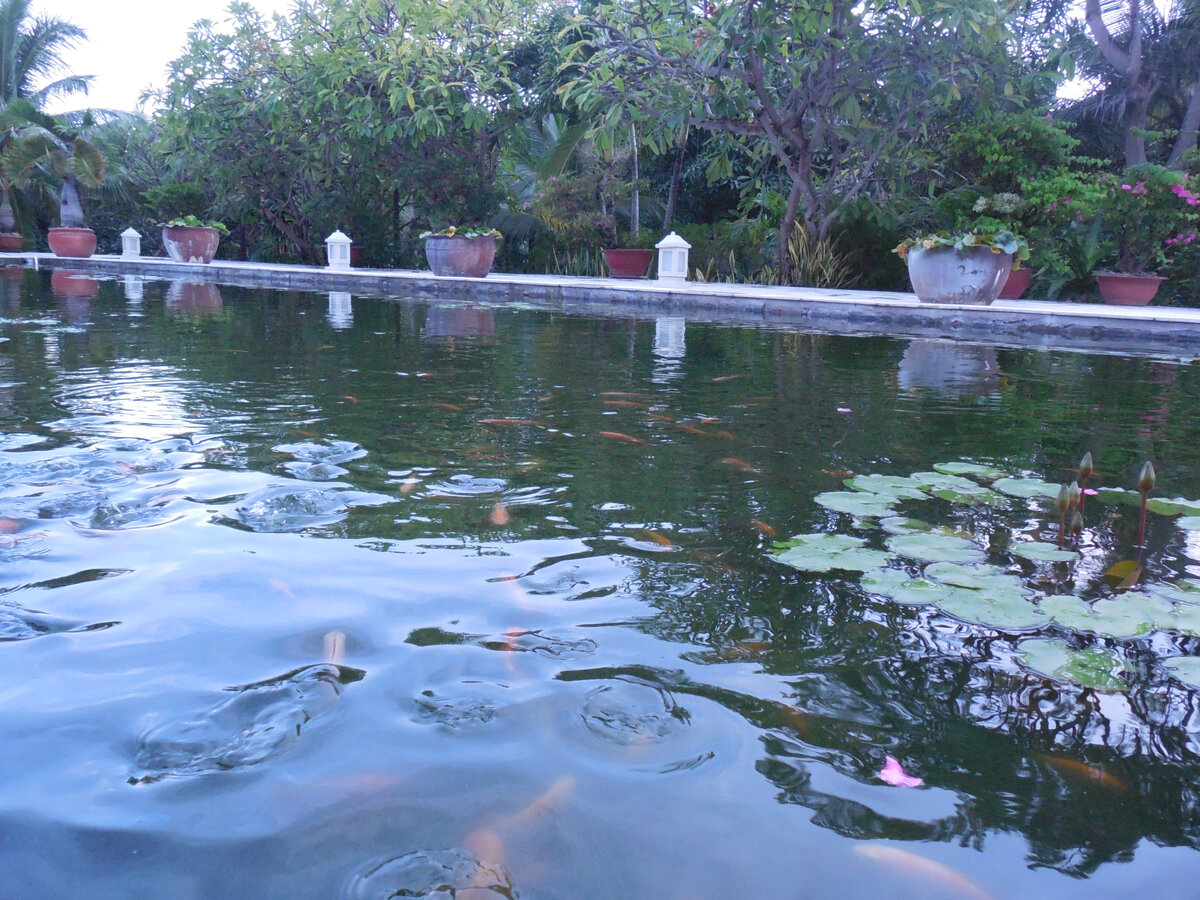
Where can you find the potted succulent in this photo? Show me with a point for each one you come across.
(1147, 210)
(188, 239)
(459, 251)
(963, 267)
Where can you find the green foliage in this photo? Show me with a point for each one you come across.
(997, 152)
(1147, 210)
(195, 222)
(997, 241)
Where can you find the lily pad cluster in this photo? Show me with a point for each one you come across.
(916, 562)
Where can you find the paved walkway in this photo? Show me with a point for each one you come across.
(1150, 330)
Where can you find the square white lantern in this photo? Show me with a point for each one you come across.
(337, 251)
(131, 244)
(673, 258)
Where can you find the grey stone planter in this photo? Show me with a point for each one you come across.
(944, 275)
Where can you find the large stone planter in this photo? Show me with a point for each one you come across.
(191, 243)
(973, 276)
(461, 256)
(72, 243)
(628, 263)
(1120, 289)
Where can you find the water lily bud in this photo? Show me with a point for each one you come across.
(1146, 479)
(1077, 523)
(1063, 500)
(1085, 467)
(1073, 494)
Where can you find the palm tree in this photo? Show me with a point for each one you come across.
(55, 147)
(31, 52)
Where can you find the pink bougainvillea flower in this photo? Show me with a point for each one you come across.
(893, 773)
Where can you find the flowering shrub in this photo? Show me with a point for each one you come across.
(1148, 210)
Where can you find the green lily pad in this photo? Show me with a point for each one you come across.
(905, 525)
(903, 488)
(935, 548)
(829, 552)
(1025, 487)
(1002, 608)
(1183, 591)
(1176, 507)
(1040, 551)
(857, 504)
(1131, 615)
(898, 586)
(1185, 668)
(1119, 496)
(974, 578)
(963, 468)
(1183, 618)
(1188, 523)
(1094, 667)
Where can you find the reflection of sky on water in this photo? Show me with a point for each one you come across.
(134, 401)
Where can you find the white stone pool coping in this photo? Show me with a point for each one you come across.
(1150, 330)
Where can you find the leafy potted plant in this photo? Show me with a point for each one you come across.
(188, 239)
(1147, 210)
(962, 267)
(461, 252)
(1004, 211)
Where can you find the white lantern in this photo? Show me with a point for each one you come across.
(131, 244)
(337, 251)
(673, 258)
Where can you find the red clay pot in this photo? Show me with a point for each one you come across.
(1120, 289)
(1017, 283)
(11, 241)
(628, 263)
(464, 256)
(72, 243)
(191, 243)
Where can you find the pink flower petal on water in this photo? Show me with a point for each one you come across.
(1091, 491)
(893, 773)
(844, 409)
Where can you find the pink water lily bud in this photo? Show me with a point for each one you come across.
(893, 773)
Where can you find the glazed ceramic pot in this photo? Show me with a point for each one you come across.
(628, 263)
(963, 277)
(191, 243)
(72, 243)
(1121, 289)
(462, 256)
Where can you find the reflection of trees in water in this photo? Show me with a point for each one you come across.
(1085, 776)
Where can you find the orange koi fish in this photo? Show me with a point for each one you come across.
(510, 422)
(350, 399)
(449, 406)
(740, 465)
(618, 436)
(658, 539)
(923, 869)
(629, 403)
(764, 528)
(1083, 771)
(499, 515)
(721, 378)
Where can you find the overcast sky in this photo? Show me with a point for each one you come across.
(130, 42)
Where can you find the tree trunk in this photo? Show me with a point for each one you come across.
(676, 178)
(70, 208)
(635, 201)
(1188, 130)
(785, 231)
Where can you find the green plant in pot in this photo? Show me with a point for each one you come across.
(462, 251)
(961, 268)
(189, 239)
(1147, 211)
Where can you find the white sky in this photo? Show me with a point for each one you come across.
(130, 42)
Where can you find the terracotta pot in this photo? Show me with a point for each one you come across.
(969, 277)
(462, 256)
(196, 298)
(72, 243)
(1120, 289)
(11, 241)
(628, 263)
(191, 243)
(1016, 284)
(69, 284)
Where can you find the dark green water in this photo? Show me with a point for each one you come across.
(302, 600)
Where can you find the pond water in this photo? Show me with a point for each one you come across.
(316, 596)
